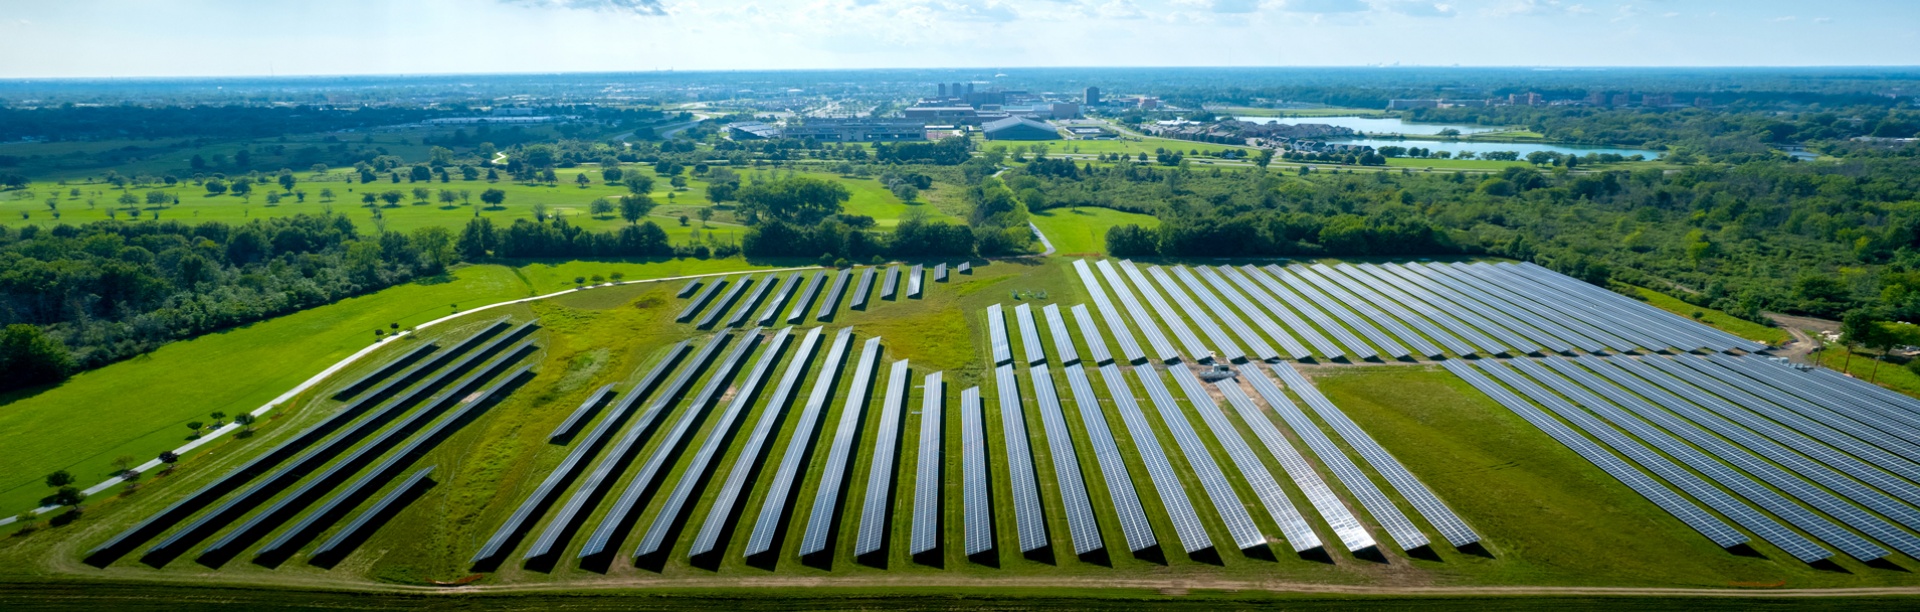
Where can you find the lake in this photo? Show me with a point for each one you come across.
(1394, 125)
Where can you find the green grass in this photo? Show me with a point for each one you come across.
(1864, 366)
(1719, 319)
(1083, 231)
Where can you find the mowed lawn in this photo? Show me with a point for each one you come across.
(1083, 231)
(140, 407)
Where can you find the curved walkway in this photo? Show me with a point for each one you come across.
(355, 357)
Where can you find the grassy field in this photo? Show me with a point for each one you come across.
(1720, 319)
(1083, 231)
(1547, 516)
(1864, 365)
(29, 206)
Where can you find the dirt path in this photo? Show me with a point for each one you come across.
(1803, 330)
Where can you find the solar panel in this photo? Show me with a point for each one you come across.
(966, 267)
(1700, 374)
(940, 273)
(588, 495)
(1324, 347)
(723, 303)
(1587, 337)
(700, 300)
(1389, 516)
(914, 278)
(312, 457)
(1694, 516)
(1166, 482)
(1490, 338)
(831, 301)
(385, 370)
(752, 300)
(1030, 522)
(876, 514)
(1834, 460)
(1760, 524)
(1886, 427)
(1229, 349)
(780, 298)
(1062, 340)
(1600, 314)
(700, 468)
(1369, 318)
(1113, 465)
(581, 415)
(975, 495)
(1354, 347)
(889, 287)
(465, 407)
(752, 456)
(860, 291)
(781, 490)
(1029, 335)
(1162, 349)
(927, 481)
(833, 476)
(1381, 298)
(1383, 463)
(619, 517)
(687, 289)
(1128, 346)
(1226, 503)
(997, 332)
(1089, 332)
(1196, 350)
(1260, 319)
(361, 527)
(1539, 330)
(1254, 473)
(805, 300)
(1345, 525)
(1644, 311)
(1768, 470)
(421, 421)
(1531, 297)
(1066, 464)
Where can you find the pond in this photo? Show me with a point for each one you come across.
(1388, 126)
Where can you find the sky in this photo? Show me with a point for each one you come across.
(152, 38)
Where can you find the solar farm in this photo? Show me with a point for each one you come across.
(943, 424)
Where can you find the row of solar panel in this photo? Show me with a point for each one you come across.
(452, 388)
(1798, 445)
(705, 292)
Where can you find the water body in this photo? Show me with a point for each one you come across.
(1387, 126)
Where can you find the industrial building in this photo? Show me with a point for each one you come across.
(858, 129)
(1019, 128)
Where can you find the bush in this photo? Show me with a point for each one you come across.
(826, 259)
(841, 263)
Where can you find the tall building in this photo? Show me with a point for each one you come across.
(953, 91)
(969, 88)
(1622, 99)
(1093, 96)
(1597, 98)
(943, 90)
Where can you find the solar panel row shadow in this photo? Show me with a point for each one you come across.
(700, 300)
(784, 486)
(824, 515)
(727, 504)
(724, 303)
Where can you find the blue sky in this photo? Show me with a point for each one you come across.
(138, 38)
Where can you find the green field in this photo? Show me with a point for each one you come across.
(1720, 319)
(1083, 231)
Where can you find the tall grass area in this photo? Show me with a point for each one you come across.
(1083, 230)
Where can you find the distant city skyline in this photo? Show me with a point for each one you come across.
(124, 38)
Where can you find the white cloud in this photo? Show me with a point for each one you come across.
(1419, 9)
(1625, 12)
(1324, 6)
(1823, 20)
(1234, 6)
(1119, 9)
(1785, 19)
(637, 7)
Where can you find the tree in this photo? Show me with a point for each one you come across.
(493, 197)
(286, 182)
(67, 496)
(421, 194)
(600, 207)
(706, 214)
(216, 187)
(638, 184)
(1857, 327)
(392, 196)
(635, 207)
(582, 180)
(246, 419)
(797, 199)
(242, 188)
(218, 417)
(196, 426)
(59, 479)
(29, 357)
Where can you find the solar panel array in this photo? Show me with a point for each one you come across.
(1345, 525)
(1113, 465)
(833, 476)
(1162, 349)
(773, 509)
(1270, 303)
(1166, 482)
(831, 300)
(1382, 311)
(997, 334)
(965, 267)
(1030, 335)
(687, 289)
(975, 499)
(891, 285)
(780, 298)
(876, 513)
(1170, 318)
(862, 290)
(385, 371)
(1089, 332)
(1062, 339)
(1081, 524)
(1199, 460)
(940, 273)
(1294, 527)
(927, 478)
(1222, 288)
(1353, 346)
(724, 303)
(1128, 346)
(581, 415)
(1341, 307)
(1225, 347)
(700, 300)
(746, 465)
(805, 300)
(1030, 522)
(752, 300)
(358, 529)
(914, 278)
